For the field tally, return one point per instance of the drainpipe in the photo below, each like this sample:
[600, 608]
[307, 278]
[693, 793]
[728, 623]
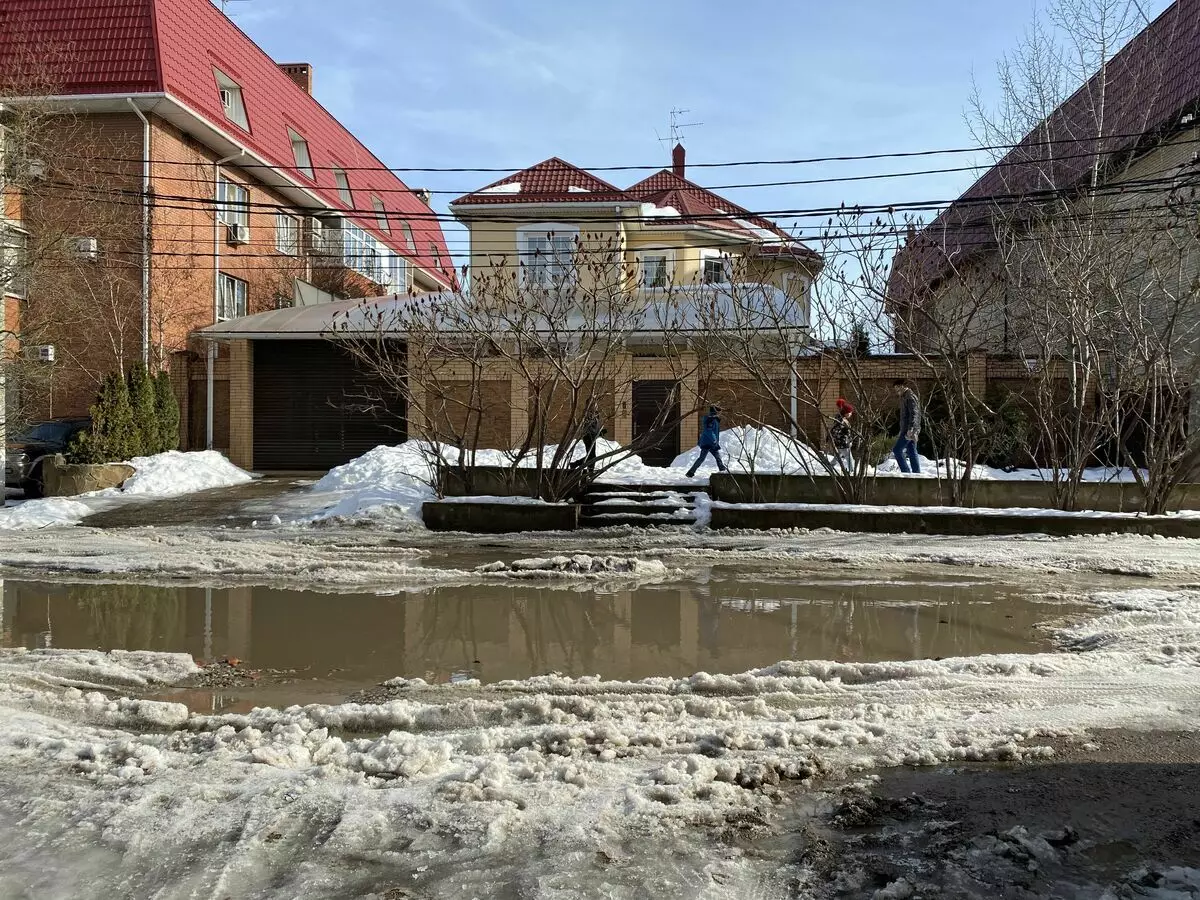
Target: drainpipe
[795, 389]
[145, 231]
[212, 345]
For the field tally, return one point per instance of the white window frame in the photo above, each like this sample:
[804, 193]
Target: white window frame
[668, 257]
[300, 154]
[233, 203]
[381, 217]
[14, 248]
[707, 256]
[398, 273]
[546, 265]
[235, 110]
[233, 297]
[363, 253]
[342, 180]
[287, 233]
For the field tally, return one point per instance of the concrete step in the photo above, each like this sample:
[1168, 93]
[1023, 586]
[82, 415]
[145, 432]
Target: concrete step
[632, 509]
[614, 520]
[599, 487]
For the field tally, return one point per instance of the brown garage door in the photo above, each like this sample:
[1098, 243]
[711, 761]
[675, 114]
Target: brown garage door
[316, 408]
[656, 421]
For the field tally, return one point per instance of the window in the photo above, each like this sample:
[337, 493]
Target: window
[714, 269]
[232, 296]
[656, 270]
[343, 186]
[287, 234]
[233, 204]
[363, 254]
[300, 154]
[548, 256]
[231, 100]
[406, 230]
[397, 273]
[436, 253]
[12, 262]
[381, 216]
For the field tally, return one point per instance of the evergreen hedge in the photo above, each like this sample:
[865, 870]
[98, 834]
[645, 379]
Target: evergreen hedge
[133, 416]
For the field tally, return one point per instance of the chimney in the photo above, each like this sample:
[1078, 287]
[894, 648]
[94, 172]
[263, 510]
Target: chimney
[423, 194]
[678, 156]
[300, 73]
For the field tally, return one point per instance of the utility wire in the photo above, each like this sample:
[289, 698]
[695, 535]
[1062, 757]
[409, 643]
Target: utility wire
[511, 170]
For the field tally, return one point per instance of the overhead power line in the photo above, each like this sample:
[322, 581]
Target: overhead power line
[900, 154]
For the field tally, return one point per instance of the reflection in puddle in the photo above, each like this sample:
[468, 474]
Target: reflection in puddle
[732, 622]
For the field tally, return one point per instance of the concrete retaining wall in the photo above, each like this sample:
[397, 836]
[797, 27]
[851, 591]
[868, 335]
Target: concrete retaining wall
[899, 491]
[945, 522]
[499, 518]
[62, 479]
[488, 481]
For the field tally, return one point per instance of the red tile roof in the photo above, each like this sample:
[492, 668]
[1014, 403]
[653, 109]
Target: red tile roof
[550, 181]
[102, 46]
[172, 46]
[700, 206]
[1147, 86]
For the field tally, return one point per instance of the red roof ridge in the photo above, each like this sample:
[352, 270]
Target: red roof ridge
[549, 181]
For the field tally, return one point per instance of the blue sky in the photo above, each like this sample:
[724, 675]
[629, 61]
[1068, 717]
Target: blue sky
[507, 83]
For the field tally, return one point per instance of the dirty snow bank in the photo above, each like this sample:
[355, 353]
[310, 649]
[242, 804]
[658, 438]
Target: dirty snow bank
[456, 791]
[43, 513]
[579, 566]
[162, 475]
[175, 472]
[386, 485]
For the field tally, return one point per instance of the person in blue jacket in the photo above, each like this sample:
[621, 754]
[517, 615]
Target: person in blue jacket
[710, 441]
[905, 450]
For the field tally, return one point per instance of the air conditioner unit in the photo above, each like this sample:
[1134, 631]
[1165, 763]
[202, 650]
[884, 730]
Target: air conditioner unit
[237, 234]
[85, 248]
[35, 169]
[45, 353]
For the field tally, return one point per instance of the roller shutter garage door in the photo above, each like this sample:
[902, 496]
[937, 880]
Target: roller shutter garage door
[315, 407]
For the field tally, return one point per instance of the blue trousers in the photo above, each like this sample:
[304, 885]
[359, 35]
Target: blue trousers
[704, 454]
[904, 447]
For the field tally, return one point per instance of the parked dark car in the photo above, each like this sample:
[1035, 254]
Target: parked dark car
[25, 453]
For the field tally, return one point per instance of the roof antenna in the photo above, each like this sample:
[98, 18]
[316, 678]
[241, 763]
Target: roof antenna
[676, 136]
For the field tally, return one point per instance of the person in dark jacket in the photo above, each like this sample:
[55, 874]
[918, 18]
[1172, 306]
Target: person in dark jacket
[905, 450]
[841, 435]
[593, 429]
[710, 441]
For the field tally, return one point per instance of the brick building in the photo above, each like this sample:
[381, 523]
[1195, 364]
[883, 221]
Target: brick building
[163, 173]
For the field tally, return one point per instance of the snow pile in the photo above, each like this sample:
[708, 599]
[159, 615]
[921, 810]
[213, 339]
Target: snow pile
[578, 566]
[44, 513]
[449, 790]
[766, 449]
[385, 485]
[162, 475]
[172, 473]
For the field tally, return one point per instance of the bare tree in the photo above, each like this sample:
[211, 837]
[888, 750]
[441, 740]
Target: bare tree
[522, 361]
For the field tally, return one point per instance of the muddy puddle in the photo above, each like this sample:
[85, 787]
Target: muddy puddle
[311, 647]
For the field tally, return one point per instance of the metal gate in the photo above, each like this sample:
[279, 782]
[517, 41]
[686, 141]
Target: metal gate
[656, 421]
[316, 408]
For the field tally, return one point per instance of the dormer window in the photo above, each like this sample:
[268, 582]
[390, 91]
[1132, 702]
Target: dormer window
[343, 186]
[381, 216]
[300, 154]
[436, 253]
[406, 230]
[231, 100]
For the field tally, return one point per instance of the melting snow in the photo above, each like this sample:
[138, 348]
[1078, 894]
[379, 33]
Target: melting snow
[446, 788]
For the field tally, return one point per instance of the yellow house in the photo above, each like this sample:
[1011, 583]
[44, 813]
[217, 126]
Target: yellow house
[664, 230]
